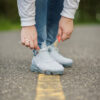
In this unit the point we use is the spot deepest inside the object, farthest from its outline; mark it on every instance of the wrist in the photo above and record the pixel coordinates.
(28, 26)
(66, 18)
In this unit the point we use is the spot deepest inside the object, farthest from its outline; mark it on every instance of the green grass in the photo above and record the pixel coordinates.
(6, 24)
(87, 22)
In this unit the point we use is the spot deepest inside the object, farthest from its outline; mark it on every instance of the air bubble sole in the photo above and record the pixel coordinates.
(34, 68)
(67, 65)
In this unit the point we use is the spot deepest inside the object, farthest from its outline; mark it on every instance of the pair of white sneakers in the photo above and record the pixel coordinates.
(49, 61)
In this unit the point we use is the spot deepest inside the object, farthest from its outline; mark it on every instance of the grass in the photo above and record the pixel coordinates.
(6, 24)
(87, 22)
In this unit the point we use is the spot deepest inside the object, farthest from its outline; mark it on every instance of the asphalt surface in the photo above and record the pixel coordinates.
(80, 82)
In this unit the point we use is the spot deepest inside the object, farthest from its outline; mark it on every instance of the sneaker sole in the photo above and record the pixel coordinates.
(34, 68)
(67, 65)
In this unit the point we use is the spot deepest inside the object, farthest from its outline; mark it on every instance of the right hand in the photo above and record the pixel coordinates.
(29, 37)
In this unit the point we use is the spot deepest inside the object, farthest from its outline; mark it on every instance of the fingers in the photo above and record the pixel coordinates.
(27, 42)
(31, 45)
(66, 36)
(63, 35)
(66, 25)
(22, 40)
(29, 37)
(35, 44)
(59, 32)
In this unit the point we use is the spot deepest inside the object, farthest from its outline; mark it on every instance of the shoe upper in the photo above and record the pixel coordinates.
(45, 62)
(58, 57)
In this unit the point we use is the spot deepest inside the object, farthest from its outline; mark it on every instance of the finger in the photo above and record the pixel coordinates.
(69, 34)
(38, 48)
(31, 45)
(34, 40)
(59, 32)
(22, 40)
(65, 37)
(68, 37)
(59, 38)
(27, 42)
(35, 44)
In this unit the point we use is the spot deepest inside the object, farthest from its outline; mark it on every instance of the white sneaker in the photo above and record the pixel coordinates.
(44, 63)
(58, 57)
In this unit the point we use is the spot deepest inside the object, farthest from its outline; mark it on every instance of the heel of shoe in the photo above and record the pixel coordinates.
(33, 67)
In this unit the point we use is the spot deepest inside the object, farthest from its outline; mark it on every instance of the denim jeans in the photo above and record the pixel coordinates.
(47, 20)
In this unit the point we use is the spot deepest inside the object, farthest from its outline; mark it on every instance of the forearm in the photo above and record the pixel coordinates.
(70, 7)
(26, 10)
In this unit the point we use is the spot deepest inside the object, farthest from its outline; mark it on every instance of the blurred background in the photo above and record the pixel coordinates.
(80, 82)
(88, 13)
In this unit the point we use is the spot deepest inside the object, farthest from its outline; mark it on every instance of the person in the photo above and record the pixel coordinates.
(42, 21)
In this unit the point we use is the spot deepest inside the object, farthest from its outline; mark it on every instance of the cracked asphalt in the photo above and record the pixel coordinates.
(79, 82)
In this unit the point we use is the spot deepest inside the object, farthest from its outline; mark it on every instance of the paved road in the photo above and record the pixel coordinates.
(81, 82)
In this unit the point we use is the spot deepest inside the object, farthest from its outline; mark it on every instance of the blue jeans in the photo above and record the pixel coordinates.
(47, 20)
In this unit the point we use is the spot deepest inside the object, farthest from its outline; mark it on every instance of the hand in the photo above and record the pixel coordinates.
(29, 37)
(65, 28)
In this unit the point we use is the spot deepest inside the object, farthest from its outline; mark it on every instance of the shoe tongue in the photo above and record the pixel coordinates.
(43, 46)
(54, 49)
(44, 50)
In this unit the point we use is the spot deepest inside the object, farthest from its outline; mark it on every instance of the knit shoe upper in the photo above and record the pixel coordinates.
(58, 57)
(44, 62)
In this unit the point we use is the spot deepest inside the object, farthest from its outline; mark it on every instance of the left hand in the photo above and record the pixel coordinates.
(65, 28)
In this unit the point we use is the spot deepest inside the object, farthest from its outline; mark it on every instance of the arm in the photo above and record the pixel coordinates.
(70, 7)
(26, 10)
(66, 21)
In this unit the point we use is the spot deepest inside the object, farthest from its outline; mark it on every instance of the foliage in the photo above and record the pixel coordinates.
(89, 11)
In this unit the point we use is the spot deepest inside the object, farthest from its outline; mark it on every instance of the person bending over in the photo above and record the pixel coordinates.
(42, 21)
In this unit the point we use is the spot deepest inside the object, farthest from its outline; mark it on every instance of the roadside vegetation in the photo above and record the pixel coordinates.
(88, 13)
